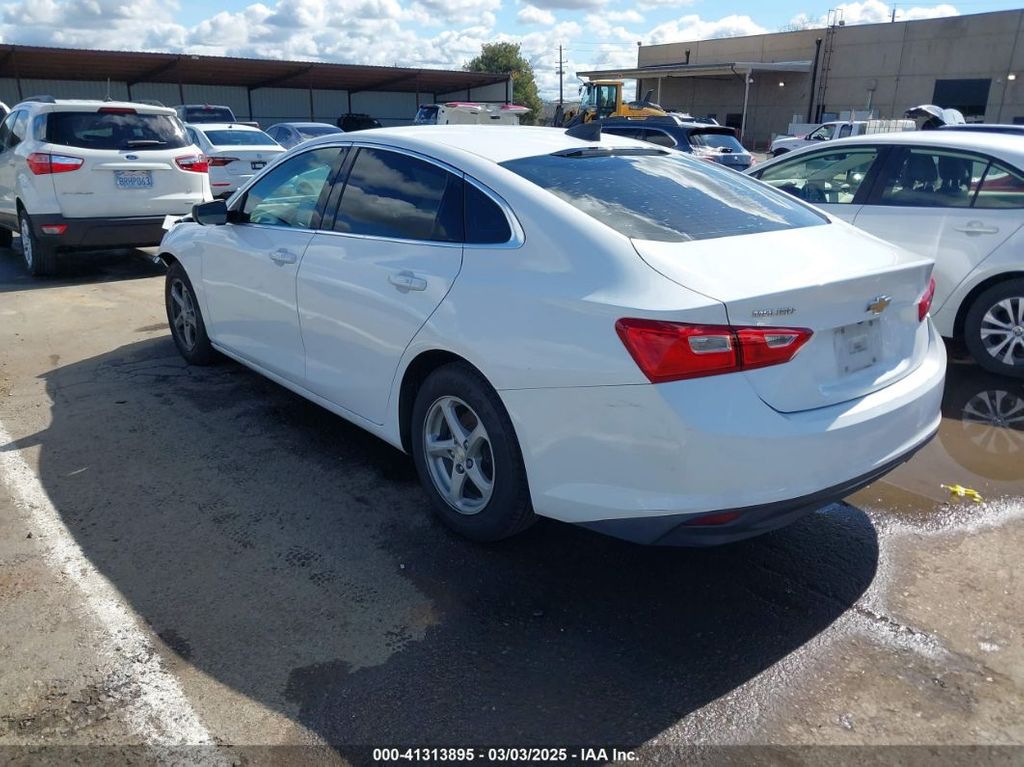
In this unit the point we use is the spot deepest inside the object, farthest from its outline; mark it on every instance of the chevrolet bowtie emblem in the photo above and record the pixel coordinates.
(879, 305)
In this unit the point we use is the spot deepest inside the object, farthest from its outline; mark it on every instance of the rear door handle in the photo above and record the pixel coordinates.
(977, 227)
(406, 281)
(283, 256)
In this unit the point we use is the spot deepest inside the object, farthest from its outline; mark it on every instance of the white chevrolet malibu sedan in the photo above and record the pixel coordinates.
(581, 327)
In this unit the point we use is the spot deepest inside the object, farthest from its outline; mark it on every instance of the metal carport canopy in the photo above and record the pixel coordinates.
(725, 69)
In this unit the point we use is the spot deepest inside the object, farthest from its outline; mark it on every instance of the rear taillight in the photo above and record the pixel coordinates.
(673, 351)
(219, 162)
(44, 163)
(925, 304)
(196, 163)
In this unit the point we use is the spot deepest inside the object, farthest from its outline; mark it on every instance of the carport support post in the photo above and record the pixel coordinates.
(746, 98)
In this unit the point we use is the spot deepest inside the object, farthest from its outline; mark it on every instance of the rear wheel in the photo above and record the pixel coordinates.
(994, 328)
(183, 315)
(467, 456)
(40, 258)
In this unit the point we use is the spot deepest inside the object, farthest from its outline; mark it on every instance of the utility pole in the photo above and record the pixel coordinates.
(561, 72)
(892, 20)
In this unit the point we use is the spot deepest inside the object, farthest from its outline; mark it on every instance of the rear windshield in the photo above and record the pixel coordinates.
(311, 131)
(99, 130)
(209, 115)
(239, 138)
(716, 140)
(664, 196)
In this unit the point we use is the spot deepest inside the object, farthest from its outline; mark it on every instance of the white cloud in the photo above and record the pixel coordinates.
(875, 12)
(531, 14)
(630, 16)
(695, 28)
(570, 5)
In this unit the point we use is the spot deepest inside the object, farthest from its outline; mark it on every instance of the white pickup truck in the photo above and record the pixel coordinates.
(837, 129)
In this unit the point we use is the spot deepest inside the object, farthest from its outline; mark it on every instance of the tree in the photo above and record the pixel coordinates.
(506, 57)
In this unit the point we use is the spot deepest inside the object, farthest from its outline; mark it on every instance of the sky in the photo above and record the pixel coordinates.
(596, 34)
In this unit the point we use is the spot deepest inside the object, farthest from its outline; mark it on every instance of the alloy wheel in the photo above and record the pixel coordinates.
(458, 455)
(183, 314)
(1002, 331)
(26, 242)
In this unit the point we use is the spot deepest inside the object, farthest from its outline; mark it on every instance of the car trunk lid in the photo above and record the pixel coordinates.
(857, 294)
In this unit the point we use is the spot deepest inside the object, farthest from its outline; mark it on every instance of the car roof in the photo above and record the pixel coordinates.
(224, 126)
(305, 125)
(1007, 146)
(62, 105)
(497, 143)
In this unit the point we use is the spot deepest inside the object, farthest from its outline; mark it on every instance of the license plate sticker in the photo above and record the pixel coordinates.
(133, 179)
(258, 164)
(858, 346)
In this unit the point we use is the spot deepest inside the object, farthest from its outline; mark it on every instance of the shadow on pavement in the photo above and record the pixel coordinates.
(290, 556)
(77, 268)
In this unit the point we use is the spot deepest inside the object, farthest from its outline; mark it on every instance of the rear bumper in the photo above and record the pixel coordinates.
(686, 530)
(650, 457)
(89, 233)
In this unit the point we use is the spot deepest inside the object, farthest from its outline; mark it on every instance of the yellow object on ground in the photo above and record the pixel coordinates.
(959, 491)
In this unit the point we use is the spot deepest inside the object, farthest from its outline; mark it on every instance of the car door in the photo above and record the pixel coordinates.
(836, 180)
(366, 287)
(250, 263)
(927, 200)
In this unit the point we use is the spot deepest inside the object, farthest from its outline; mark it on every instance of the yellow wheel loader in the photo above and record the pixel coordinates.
(603, 98)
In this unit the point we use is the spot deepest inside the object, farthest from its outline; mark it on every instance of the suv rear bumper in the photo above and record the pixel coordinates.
(89, 233)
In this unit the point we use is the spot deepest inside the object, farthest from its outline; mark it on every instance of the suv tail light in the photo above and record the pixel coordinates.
(196, 163)
(925, 304)
(220, 162)
(116, 111)
(44, 163)
(673, 351)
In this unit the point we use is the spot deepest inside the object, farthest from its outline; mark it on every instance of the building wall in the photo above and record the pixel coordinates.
(269, 105)
(890, 67)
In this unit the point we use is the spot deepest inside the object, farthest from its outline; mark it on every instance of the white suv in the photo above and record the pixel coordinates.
(81, 175)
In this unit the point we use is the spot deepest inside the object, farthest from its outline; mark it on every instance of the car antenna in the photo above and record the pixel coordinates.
(590, 131)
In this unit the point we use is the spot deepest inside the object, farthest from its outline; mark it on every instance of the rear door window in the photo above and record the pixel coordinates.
(832, 177)
(390, 194)
(658, 195)
(115, 130)
(659, 137)
(931, 178)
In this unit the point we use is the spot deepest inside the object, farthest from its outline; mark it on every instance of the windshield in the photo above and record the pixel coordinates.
(115, 130)
(234, 137)
(426, 115)
(716, 140)
(312, 131)
(663, 196)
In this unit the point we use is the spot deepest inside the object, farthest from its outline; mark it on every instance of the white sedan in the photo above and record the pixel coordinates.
(599, 331)
(956, 196)
(236, 153)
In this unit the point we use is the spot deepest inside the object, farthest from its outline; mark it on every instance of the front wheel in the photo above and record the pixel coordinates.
(467, 456)
(994, 329)
(185, 319)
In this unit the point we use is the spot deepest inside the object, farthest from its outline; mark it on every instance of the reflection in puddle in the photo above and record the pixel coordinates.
(980, 445)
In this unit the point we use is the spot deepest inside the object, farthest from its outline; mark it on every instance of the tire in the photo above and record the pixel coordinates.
(185, 318)
(994, 329)
(40, 258)
(457, 391)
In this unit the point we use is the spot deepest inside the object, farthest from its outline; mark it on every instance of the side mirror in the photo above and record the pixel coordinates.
(213, 213)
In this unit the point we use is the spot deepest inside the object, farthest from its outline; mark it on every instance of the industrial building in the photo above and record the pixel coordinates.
(256, 89)
(761, 84)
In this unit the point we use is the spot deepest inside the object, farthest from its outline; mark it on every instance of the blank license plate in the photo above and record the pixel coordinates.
(133, 179)
(858, 346)
(258, 164)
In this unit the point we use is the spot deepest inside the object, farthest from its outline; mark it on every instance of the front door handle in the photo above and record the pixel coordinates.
(977, 227)
(406, 281)
(283, 256)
